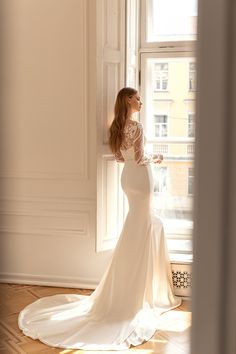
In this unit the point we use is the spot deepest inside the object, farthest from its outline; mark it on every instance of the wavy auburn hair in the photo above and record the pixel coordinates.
(120, 117)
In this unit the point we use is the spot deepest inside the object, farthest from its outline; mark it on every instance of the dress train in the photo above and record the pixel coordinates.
(135, 289)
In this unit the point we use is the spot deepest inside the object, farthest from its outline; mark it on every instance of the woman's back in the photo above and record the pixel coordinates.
(132, 146)
(137, 286)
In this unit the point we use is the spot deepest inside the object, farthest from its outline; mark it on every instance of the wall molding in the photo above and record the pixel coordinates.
(54, 204)
(110, 214)
(78, 171)
(61, 217)
(38, 175)
(35, 230)
(50, 199)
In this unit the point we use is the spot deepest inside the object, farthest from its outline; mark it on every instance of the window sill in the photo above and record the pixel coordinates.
(180, 258)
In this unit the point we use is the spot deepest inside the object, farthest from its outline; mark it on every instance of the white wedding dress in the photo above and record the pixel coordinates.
(137, 286)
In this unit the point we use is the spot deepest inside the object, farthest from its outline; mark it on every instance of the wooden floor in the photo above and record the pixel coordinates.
(171, 338)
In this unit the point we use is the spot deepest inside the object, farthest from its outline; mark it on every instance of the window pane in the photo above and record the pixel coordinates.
(191, 125)
(169, 118)
(164, 130)
(160, 75)
(157, 130)
(160, 125)
(160, 180)
(164, 84)
(190, 181)
(171, 20)
(192, 77)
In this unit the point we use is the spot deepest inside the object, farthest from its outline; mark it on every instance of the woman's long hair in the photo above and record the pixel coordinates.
(121, 115)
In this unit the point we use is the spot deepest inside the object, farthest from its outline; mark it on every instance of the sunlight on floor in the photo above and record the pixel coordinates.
(171, 337)
(175, 321)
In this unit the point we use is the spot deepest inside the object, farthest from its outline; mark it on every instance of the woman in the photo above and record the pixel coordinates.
(137, 286)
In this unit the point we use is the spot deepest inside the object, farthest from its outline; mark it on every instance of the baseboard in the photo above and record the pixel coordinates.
(46, 280)
(180, 288)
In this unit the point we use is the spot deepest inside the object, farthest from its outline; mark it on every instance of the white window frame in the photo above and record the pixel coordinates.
(166, 45)
(177, 235)
(166, 50)
(110, 58)
(108, 169)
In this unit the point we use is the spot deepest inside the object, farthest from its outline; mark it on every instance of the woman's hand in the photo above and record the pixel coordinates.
(158, 158)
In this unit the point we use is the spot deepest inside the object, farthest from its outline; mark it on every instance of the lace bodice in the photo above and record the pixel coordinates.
(132, 147)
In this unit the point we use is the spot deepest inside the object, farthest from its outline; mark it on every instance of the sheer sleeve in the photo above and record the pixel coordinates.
(139, 155)
(119, 157)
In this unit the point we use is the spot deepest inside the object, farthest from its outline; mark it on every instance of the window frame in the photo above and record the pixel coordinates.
(172, 232)
(167, 50)
(166, 45)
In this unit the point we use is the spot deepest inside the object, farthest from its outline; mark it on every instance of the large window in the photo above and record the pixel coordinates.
(160, 61)
(168, 88)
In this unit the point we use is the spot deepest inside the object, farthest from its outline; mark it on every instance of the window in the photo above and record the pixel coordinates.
(191, 125)
(160, 76)
(160, 125)
(160, 180)
(190, 149)
(192, 77)
(190, 181)
(159, 52)
(169, 20)
(172, 201)
(167, 86)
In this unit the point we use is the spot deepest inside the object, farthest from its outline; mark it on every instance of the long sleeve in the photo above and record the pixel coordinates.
(134, 137)
(119, 157)
(139, 155)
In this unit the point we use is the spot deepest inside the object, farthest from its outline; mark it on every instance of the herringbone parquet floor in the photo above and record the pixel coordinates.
(171, 338)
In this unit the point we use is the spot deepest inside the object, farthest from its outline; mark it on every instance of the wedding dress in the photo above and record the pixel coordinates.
(137, 285)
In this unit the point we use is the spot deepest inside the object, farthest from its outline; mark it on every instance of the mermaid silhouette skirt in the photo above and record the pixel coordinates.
(136, 288)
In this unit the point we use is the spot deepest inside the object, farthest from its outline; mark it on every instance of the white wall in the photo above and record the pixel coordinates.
(48, 128)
